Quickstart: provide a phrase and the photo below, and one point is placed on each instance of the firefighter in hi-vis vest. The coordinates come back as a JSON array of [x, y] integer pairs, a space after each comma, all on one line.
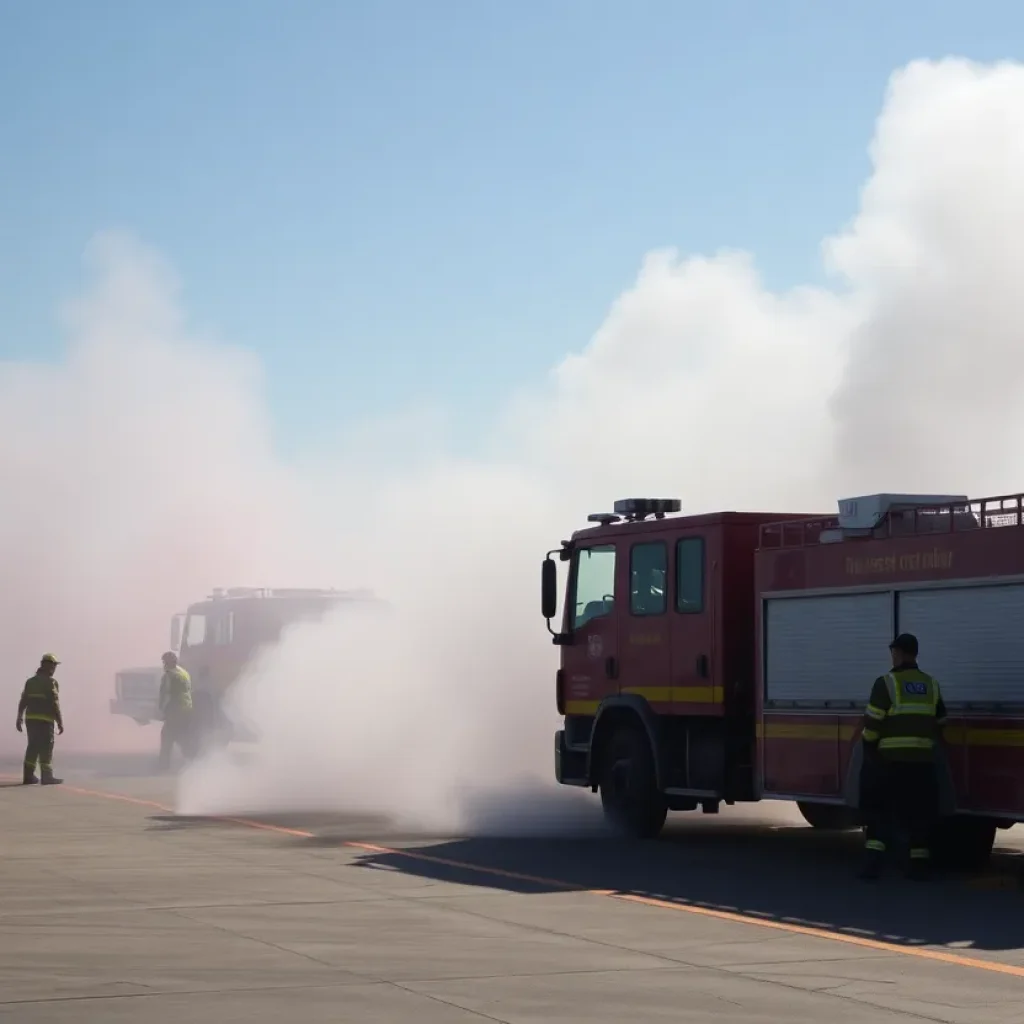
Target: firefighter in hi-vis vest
[[176, 708], [39, 709], [899, 779]]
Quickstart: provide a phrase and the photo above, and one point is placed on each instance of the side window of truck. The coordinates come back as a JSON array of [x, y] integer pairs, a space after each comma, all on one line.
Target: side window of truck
[[224, 629], [690, 575], [595, 583], [648, 572]]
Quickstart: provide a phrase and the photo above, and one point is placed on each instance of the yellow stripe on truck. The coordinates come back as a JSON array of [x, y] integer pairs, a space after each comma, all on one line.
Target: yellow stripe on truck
[[654, 695], [581, 707], [677, 694], [833, 732]]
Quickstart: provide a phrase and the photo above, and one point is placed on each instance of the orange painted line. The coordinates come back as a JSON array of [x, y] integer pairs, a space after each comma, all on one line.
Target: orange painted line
[[822, 933], [265, 827], [430, 858], [120, 797], [940, 956]]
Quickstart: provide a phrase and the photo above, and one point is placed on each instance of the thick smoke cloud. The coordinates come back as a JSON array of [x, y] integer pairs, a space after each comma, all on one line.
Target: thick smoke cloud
[[135, 492]]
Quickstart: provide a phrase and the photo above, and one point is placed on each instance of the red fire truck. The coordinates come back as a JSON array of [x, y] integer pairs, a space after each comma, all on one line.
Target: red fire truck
[[728, 657]]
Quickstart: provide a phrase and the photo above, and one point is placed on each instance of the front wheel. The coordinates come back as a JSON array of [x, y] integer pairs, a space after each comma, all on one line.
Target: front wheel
[[632, 804], [828, 817]]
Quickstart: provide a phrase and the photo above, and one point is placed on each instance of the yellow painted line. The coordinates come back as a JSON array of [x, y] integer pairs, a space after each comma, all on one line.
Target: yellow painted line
[[919, 952], [581, 707]]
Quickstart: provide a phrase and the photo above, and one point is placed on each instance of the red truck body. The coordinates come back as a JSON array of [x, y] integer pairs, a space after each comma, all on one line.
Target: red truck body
[[729, 657]]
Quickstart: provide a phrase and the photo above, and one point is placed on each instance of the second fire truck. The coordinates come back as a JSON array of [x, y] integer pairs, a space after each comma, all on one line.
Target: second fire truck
[[728, 657], [217, 640]]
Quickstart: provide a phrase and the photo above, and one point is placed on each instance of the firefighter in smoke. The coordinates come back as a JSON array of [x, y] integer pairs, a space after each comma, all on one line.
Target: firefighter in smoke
[[899, 778], [175, 709], [38, 713]]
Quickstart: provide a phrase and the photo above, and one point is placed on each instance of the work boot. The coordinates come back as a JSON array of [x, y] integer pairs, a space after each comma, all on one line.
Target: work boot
[[919, 869], [49, 779], [28, 777], [871, 869]]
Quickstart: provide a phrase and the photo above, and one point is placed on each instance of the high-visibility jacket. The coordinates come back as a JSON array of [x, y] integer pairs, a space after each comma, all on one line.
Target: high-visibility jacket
[[176, 690], [905, 715], [40, 700]]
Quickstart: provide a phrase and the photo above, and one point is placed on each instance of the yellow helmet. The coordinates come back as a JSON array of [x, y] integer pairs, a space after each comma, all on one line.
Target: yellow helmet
[[48, 659]]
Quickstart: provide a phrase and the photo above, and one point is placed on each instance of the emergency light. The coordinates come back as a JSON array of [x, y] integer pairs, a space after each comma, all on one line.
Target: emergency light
[[640, 508]]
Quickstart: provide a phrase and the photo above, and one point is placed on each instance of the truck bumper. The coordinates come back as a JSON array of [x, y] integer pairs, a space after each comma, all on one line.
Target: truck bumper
[[142, 711], [570, 765]]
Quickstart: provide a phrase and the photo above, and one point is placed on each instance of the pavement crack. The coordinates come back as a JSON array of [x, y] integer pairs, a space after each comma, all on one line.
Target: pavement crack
[[272, 945], [450, 1002]]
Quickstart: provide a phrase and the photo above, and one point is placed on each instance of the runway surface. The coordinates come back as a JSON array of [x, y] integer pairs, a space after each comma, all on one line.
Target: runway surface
[[113, 908]]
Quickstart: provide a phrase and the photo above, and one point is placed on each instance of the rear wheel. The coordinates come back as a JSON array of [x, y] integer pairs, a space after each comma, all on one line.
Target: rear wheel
[[828, 817], [629, 788], [963, 842]]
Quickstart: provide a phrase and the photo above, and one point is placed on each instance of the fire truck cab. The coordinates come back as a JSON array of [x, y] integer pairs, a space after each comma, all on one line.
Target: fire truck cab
[[728, 657]]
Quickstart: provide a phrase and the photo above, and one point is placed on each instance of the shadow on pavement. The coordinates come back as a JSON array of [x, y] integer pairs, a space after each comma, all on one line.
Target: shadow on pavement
[[780, 873]]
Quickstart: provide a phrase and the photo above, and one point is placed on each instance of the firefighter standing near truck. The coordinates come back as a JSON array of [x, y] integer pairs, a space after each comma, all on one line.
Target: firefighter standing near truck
[[175, 708], [39, 710], [899, 778]]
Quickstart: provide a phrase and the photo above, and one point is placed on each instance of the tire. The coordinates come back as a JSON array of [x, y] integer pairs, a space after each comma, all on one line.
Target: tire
[[629, 791], [963, 842], [828, 817]]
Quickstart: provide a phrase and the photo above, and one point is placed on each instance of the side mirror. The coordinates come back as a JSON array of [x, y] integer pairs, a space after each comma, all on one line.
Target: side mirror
[[548, 589]]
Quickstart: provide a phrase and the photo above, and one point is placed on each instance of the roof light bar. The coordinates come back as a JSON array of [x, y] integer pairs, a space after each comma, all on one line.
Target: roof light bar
[[641, 507]]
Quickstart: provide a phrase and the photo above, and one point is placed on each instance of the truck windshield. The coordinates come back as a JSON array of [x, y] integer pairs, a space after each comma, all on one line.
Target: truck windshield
[[595, 583], [195, 631]]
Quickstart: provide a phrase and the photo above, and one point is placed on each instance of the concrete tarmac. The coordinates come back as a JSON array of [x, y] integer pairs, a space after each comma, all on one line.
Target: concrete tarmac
[[113, 909]]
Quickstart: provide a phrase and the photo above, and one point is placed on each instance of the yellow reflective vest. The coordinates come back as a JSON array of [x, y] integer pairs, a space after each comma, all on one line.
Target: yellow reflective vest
[[905, 715], [176, 690], [40, 699]]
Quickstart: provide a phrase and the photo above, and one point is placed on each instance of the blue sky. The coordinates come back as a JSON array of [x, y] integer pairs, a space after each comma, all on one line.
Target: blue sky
[[400, 201]]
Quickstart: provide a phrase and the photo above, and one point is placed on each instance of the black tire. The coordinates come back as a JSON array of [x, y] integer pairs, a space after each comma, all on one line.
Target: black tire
[[629, 790], [963, 842], [829, 817]]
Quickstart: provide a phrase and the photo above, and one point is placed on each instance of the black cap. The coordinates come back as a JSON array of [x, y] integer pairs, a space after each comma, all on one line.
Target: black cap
[[905, 642]]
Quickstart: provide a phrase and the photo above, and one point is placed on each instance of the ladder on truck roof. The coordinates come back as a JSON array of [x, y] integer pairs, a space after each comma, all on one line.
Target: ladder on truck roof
[[895, 515], [279, 593]]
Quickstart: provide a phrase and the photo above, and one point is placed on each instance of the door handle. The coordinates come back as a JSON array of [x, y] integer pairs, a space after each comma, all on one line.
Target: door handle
[[611, 668], [702, 666]]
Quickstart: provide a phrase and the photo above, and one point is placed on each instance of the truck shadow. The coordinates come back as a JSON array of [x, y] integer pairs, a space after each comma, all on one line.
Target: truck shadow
[[788, 874]]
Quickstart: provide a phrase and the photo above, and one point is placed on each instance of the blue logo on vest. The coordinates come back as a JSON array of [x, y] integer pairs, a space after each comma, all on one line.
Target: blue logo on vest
[[915, 688]]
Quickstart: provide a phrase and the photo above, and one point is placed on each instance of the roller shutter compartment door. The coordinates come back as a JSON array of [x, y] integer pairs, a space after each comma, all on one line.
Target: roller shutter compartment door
[[826, 648], [972, 640]]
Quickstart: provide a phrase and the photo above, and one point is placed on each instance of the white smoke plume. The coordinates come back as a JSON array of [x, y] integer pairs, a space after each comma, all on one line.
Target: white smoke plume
[[151, 476]]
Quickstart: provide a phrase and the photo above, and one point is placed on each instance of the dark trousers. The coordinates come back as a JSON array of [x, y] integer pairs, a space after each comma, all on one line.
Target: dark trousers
[[176, 730], [39, 748], [901, 798]]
